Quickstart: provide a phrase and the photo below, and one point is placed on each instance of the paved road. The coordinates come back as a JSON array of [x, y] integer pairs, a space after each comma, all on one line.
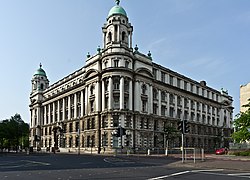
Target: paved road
[[62, 166]]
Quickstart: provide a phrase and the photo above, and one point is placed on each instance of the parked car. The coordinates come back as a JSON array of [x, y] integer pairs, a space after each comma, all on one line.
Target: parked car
[[221, 151]]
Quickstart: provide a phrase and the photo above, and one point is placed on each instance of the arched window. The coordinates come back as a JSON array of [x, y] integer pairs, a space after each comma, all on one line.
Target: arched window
[[42, 86]]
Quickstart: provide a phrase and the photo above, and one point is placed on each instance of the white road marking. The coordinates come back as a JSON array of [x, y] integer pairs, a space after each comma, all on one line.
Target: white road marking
[[205, 171], [170, 175], [239, 174]]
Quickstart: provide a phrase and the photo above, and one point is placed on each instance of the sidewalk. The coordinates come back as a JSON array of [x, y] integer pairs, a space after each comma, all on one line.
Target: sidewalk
[[226, 162]]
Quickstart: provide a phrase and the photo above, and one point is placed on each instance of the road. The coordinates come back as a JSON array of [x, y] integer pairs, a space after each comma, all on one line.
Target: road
[[79, 167]]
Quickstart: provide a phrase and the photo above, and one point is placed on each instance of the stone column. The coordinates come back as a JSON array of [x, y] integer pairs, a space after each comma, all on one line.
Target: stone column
[[159, 102], [54, 112], [82, 103], [45, 112], [150, 99], [137, 99], [183, 109], [103, 94], [168, 104], [97, 96], [110, 89], [69, 108], [86, 100], [122, 93], [63, 114], [49, 120], [75, 105], [130, 95], [195, 111], [58, 110]]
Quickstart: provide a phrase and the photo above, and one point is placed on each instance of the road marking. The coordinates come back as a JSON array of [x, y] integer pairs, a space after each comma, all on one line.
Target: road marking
[[170, 175], [239, 174], [206, 171]]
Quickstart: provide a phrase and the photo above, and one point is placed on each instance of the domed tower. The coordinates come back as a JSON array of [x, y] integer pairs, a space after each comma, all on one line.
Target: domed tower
[[117, 31], [39, 81]]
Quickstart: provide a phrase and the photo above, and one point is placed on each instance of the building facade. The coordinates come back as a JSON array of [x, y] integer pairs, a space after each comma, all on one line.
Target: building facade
[[244, 96], [120, 86]]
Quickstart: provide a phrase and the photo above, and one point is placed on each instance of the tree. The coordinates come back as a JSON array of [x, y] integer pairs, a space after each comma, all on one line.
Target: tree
[[14, 133], [242, 125]]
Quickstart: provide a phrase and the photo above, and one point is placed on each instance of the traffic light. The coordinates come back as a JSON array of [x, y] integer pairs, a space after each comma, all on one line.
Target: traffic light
[[186, 126], [180, 126]]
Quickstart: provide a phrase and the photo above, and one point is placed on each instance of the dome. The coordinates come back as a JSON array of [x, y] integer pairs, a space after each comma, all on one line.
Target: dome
[[40, 72], [117, 10]]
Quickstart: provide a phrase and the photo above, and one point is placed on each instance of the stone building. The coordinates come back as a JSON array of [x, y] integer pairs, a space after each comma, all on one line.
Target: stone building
[[120, 86], [244, 96]]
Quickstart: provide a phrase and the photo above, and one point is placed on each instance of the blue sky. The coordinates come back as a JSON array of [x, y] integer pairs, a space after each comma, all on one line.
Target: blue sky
[[201, 39]]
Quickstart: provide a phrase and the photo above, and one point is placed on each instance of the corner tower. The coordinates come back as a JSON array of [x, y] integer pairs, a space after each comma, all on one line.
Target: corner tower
[[39, 81], [117, 31]]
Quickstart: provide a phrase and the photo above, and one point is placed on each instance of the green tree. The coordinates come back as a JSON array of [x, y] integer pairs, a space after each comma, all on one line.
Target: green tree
[[14, 133], [242, 126]]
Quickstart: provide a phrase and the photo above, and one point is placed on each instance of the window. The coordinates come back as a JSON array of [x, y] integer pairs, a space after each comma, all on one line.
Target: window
[[186, 103], [171, 111], [70, 127], [155, 73], [93, 123], [178, 83], [179, 101], [163, 96], [116, 63], [92, 88], [109, 37], [92, 106], [171, 99], [163, 110], [171, 80], [126, 103], [155, 94], [126, 85], [123, 36], [115, 121], [155, 107], [144, 89], [185, 85], [126, 64], [163, 76], [144, 105], [142, 123], [116, 83], [116, 102], [191, 87], [106, 85]]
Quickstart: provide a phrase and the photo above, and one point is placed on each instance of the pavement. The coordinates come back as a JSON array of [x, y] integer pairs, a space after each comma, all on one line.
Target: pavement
[[226, 162]]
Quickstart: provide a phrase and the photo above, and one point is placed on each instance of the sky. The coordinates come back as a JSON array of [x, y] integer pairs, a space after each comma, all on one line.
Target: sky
[[201, 39]]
